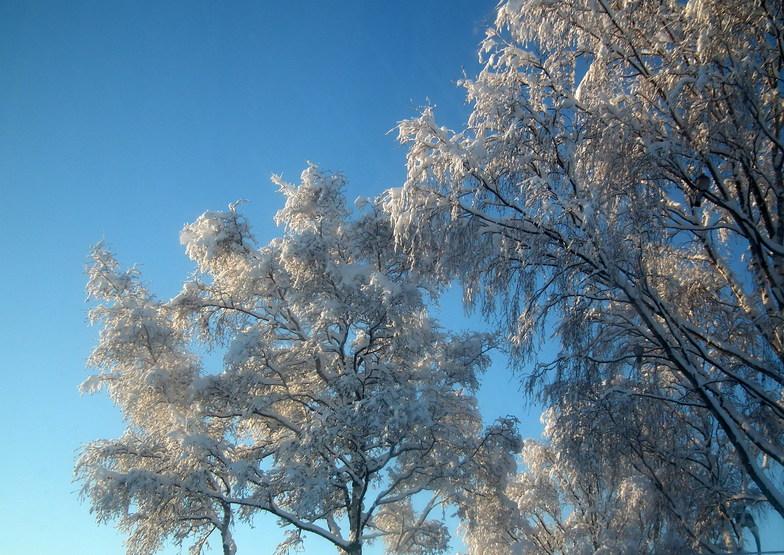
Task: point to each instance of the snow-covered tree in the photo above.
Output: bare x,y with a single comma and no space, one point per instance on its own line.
342,408
618,474
161,475
620,181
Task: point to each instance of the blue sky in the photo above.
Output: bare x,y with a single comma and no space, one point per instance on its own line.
122,121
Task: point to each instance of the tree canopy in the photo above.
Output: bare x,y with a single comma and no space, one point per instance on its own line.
340,401
619,181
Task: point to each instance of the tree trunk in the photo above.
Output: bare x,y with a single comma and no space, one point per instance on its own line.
354,548
229,547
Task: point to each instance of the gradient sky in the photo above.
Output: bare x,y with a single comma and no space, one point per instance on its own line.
122,121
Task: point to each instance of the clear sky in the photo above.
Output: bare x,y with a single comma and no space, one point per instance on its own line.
123,120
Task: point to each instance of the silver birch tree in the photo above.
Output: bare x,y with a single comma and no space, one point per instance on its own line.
620,181
340,401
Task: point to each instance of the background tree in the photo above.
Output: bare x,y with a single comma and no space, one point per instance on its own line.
619,474
340,400
620,180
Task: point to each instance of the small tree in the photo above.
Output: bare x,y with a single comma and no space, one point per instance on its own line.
340,400
620,181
